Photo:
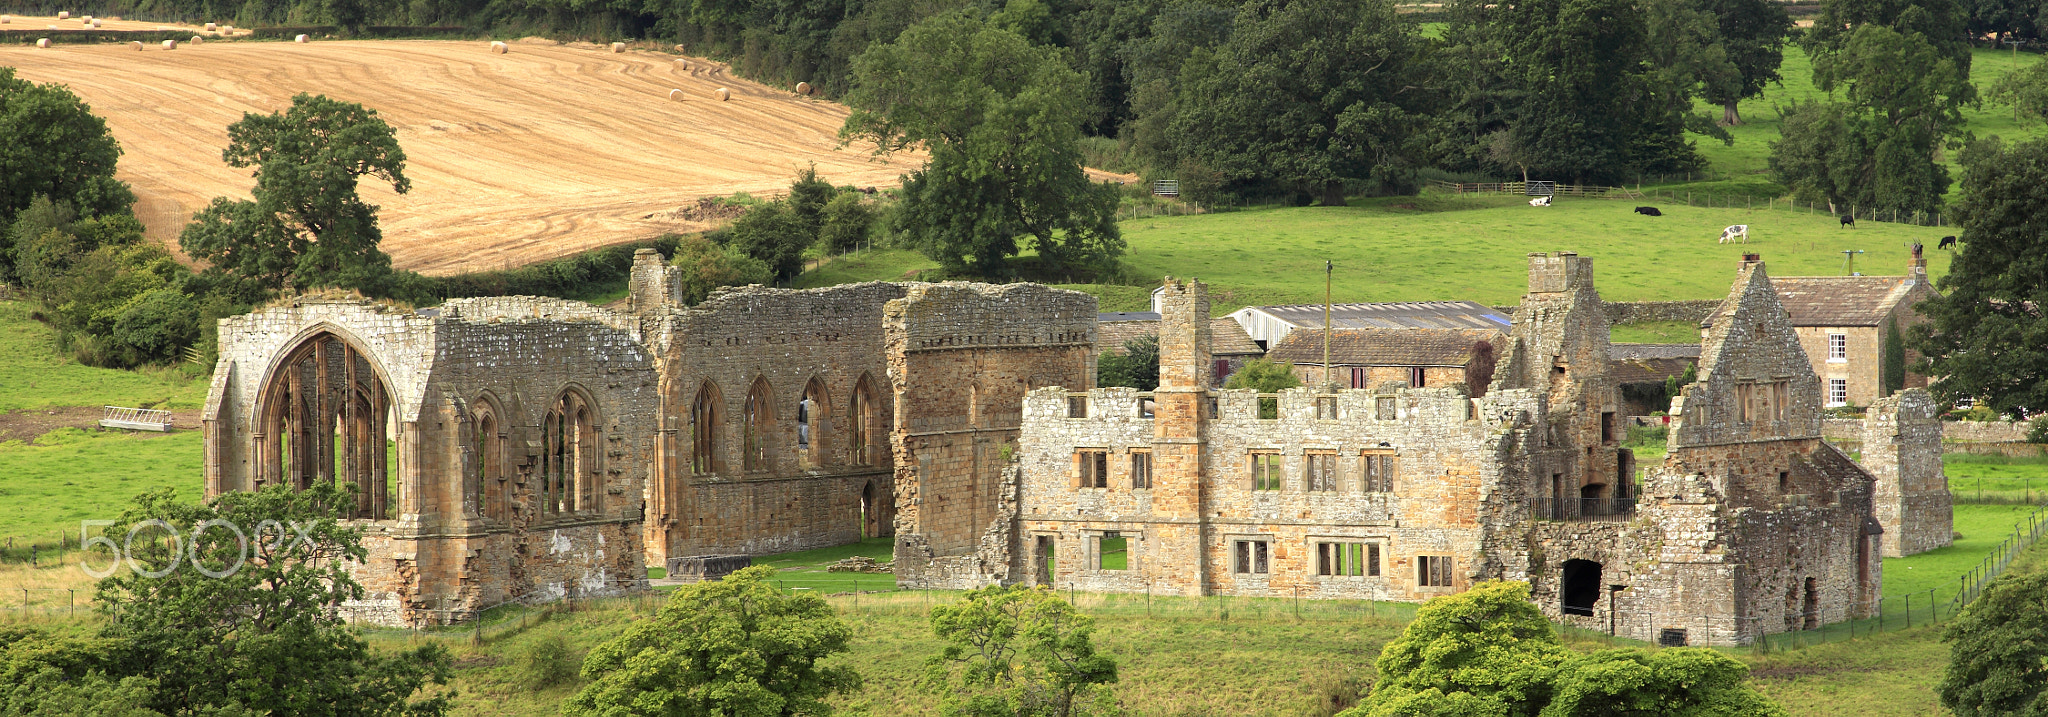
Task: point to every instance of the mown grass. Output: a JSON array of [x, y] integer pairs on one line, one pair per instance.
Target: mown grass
[[1982, 527], [68, 475], [1997, 478], [33, 374], [1655, 332]]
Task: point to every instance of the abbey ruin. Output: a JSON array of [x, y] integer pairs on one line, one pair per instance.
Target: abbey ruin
[[528, 448]]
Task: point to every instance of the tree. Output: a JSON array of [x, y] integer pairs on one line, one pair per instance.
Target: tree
[[1001, 119], [1753, 36], [848, 223], [1998, 663], [1892, 371], [1479, 371], [739, 646], [260, 633], [1137, 367], [1489, 651], [2025, 90], [808, 197], [1017, 651], [775, 235], [706, 266], [1264, 375], [2024, 20], [1318, 96], [306, 226], [52, 145], [1687, 60], [1986, 325]]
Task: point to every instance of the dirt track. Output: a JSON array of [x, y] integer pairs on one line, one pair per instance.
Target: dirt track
[[546, 151]]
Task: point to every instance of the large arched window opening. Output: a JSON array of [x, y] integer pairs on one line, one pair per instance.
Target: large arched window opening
[[760, 427], [813, 425], [487, 487], [707, 416], [862, 416], [569, 474], [323, 418]]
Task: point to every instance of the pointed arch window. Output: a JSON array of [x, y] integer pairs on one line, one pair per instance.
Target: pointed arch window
[[861, 418], [569, 475], [759, 428], [487, 487], [707, 414], [813, 425], [322, 419]]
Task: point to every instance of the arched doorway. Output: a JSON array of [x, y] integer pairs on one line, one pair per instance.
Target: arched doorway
[[869, 517], [325, 416], [1580, 589]]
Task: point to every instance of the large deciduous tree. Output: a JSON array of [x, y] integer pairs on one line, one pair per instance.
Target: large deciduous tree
[[1001, 118], [1753, 36], [739, 646], [306, 225], [1018, 651], [1987, 325], [1317, 96], [1998, 663], [52, 145]]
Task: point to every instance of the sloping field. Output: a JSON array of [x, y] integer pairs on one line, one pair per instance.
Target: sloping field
[[546, 151]]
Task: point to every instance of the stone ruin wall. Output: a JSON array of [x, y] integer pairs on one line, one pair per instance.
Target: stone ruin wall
[[782, 340], [1902, 449], [961, 357]]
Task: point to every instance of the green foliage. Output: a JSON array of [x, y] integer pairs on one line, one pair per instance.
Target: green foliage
[[775, 235], [736, 646], [1317, 97], [545, 662], [1892, 368], [1752, 37], [45, 675], [1018, 651], [848, 223], [1634, 683], [2026, 91], [1675, 384], [1001, 118], [1264, 375], [263, 638], [306, 226], [2037, 430], [589, 276], [1983, 335], [1998, 664], [1137, 367], [707, 266], [52, 145]]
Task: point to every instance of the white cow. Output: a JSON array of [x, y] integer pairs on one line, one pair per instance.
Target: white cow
[[1540, 202], [1738, 232]]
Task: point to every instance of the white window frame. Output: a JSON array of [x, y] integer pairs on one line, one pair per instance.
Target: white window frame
[[1838, 348], [1838, 392]]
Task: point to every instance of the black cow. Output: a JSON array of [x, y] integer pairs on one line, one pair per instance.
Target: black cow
[[1848, 220], [1649, 211], [1947, 242]]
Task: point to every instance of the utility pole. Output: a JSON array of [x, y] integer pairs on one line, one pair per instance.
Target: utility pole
[[1328, 270], [1849, 261]]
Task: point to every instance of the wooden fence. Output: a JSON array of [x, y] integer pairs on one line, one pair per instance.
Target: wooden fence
[[1540, 189]]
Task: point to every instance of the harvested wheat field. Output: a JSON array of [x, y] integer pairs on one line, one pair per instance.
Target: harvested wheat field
[[546, 150]]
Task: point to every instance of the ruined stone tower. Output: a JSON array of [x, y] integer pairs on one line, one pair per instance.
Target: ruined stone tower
[[1559, 349], [1902, 449], [1179, 429]]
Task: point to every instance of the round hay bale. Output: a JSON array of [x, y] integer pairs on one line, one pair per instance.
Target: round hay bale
[[63, 14], [683, 65], [196, 39], [210, 27], [803, 88], [618, 47], [301, 38], [679, 48], [675, 95], [43, 42], [6, 20], [136, 44], [722, 94], [170, 44], [95, 22], [87, 20], [500, 48]]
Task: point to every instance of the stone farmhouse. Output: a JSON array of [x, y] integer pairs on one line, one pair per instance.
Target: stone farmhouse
[[1842, 322], [540, 448], [1365, 358], [1232, 346]]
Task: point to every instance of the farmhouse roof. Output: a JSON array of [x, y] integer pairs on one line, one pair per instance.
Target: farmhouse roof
[[1383, 347], [1226, 338], [1647, 370], [1845, 300], [1270, 324]]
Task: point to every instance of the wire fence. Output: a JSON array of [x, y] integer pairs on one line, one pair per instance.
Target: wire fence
[[1716, 200]]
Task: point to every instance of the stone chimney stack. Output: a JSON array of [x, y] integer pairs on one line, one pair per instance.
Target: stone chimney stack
[[1916, 267], [1558, 273], [653, 284], [1184, 335], [1749, 260], [1180, 415]]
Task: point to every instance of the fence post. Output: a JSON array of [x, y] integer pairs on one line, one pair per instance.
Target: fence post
[[1909, 611]]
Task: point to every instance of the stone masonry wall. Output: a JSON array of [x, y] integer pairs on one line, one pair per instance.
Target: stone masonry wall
[[1902, 450]]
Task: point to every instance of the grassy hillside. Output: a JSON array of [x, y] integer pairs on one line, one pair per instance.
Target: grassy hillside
[[33, 374], [69, 475]]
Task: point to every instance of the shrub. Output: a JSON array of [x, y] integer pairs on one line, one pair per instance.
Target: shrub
[[545, 662], [2037, 430]]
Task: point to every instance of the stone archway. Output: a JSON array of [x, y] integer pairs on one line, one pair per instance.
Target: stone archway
[[325, 416], [1580, 589]]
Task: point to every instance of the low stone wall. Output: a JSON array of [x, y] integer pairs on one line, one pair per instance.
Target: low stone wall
[[1636, 312], [1850, 429]]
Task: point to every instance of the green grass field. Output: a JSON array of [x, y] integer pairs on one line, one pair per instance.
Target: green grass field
[[68, 475], [34, 375], [1982, 527], [1996, 479]]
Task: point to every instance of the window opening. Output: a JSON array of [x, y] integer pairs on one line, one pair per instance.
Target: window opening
[[1433, 571], [1321, 471], [1581, 588], [1384, 409], [1112, 552], [1141, 469], [1251, 557], [1377, 471], [1265, 471], [1093, 467]]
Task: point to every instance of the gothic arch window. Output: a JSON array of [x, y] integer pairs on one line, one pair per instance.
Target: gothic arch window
[[759, 429], [862, 418], [707, 415], [487, 489], [813, 425], [570, 468], [321, 418]]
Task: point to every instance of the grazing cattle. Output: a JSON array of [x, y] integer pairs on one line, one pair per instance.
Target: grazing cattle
[[867, 190], [1947, 242], [1849, 220], [1540, 202], [1738, 232], [1649, 211]]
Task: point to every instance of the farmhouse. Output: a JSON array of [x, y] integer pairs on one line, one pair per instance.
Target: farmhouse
[[1843, 321], [1267, 325], [1364, 358], [1232, 348]]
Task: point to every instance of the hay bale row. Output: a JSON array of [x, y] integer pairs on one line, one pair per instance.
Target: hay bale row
[[300, 38], [210, 27], [618, 47], [500, 48], [722, 94]]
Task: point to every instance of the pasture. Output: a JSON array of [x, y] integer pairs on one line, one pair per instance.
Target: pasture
[[546, 151]]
